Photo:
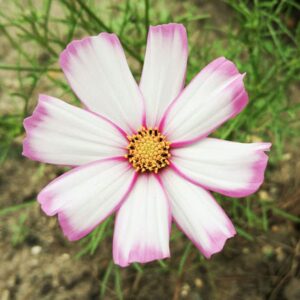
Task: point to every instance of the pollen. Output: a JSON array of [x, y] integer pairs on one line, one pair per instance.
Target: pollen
[[148, 150]]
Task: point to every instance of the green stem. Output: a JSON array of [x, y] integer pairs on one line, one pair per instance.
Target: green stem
[[106, 28], [147, 9], [28, 69]]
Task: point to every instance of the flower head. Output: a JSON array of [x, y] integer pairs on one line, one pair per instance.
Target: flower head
[[143, 151]]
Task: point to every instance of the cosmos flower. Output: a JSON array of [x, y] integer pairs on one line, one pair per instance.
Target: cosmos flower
[[142, 151]]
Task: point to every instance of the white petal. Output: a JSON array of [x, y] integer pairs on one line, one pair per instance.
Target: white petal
[[142, 225], [197, 214], [216, 94], [97, 70], [60, 133], [232, 169], [164, 69], [86, 195]]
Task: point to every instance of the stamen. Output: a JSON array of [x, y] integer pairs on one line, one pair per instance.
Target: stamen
[[148, 150]]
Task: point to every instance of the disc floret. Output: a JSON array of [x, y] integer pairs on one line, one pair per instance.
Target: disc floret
[[148, 150]]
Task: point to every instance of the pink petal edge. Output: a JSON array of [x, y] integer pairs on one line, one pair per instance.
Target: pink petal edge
[[152, 254], [71, 48], [255, 183], [240, 99], [220, 239], [45, 198], [30, 123], [167, 31]]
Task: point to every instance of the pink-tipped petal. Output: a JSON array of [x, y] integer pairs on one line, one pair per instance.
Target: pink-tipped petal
[[60, 133], [197, 214], [142, 224], [215, 95], [98, 73], [230, 168], [86, 195], [164, 69]]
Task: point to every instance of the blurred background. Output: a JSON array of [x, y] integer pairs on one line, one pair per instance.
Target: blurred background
[[262, 261]]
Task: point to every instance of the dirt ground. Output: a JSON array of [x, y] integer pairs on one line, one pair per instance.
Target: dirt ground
[[37, 262]]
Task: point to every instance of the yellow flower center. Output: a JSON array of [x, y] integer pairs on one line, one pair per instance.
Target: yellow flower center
[[148, 150]]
